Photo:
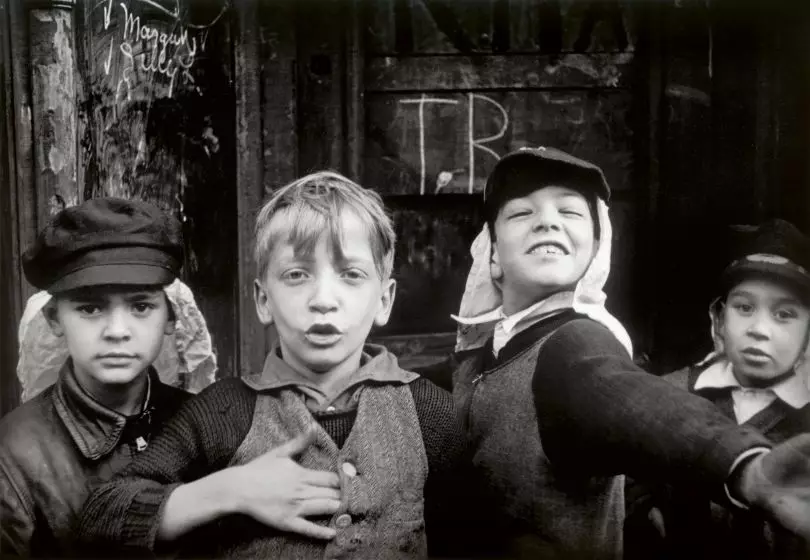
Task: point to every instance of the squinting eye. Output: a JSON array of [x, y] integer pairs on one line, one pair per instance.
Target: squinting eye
[[519, 214], [569, 212]]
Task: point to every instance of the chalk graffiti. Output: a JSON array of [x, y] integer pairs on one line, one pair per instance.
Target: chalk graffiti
[[473, 143], [151, 53], [422, 160]]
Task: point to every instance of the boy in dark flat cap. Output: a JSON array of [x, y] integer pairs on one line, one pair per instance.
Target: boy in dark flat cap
[[105, 262], [553, 406], [757, 375]]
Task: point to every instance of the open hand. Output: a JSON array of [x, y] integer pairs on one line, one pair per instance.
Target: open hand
[[779, 483], [280, 493]]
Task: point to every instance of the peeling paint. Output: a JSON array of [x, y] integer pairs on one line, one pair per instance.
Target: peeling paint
[[54, 106]]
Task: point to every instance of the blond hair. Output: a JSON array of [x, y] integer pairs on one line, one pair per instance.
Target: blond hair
[[314, 204]]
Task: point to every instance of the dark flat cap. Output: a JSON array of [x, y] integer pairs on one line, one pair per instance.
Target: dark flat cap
[[527, 169], [775, 249], [106, 241]]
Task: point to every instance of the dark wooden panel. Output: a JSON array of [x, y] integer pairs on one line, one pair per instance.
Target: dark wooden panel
[[424, 144], [10, 273], [157, 122], [513, 72], [252, 336], [432, 260], [473, 26], [321, 96]]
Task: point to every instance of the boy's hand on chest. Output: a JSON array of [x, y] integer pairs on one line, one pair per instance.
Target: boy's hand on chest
[[275, 490]]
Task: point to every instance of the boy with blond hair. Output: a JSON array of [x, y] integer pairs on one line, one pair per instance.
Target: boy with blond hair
[[375, 444]]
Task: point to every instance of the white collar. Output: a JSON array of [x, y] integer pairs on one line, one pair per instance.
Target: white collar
[[719, 375]]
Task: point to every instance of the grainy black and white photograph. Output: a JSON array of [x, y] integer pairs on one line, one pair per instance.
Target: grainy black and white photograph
[[405, 279]]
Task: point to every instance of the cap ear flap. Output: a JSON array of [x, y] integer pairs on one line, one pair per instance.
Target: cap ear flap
[[717, 327], [51, 314]]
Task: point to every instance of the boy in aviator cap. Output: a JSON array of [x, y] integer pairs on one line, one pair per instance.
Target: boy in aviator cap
[[758, 376], [105, 264], [554, 408]]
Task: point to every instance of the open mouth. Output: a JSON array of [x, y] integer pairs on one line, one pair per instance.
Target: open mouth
[[548, 248], [323, 334]]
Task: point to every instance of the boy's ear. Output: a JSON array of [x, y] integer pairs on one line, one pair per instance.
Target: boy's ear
[[169, 328], [52, 317], [263, 309], [389, 293]]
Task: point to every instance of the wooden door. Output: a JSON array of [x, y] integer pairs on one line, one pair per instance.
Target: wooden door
[[450, 87]]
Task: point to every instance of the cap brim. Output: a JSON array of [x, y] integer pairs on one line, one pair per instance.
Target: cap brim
[[576, 180], [778, 272], [114, 274]]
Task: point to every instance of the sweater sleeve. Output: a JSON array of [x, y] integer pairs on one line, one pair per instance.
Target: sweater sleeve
[[124, 514], [599, 414], [447, 486]]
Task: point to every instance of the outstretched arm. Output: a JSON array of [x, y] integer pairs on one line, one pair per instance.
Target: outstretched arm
[[598, 413]]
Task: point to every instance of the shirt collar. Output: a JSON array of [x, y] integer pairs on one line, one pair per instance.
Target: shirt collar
[[95, 429], [377, 364], [719, 375]]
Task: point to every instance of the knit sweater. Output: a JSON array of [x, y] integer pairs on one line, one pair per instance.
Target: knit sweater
[[205, 435], [597, 414]]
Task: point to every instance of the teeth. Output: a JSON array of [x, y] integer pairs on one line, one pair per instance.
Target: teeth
[[548, 250]]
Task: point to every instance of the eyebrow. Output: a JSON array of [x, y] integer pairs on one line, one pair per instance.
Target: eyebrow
[[791, 300]]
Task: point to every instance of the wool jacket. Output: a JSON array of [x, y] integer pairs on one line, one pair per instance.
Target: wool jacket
[[595, 415], [696, 526], [401, 439], [54, 447]]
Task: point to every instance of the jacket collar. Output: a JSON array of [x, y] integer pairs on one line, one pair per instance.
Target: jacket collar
[[377, 364], [719, 375], [95, 429]]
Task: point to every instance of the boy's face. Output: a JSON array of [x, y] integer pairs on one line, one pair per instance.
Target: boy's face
[[112, 333], [543, 244], [324, 306], [764, 330]]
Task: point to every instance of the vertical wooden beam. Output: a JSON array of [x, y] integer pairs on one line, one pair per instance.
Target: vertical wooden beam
[[53, 93], [249, 170], [10, 225], [24, 203], [355, 95], [321, 92]]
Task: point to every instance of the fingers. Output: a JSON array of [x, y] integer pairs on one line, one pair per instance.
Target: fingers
[[324, 506], [310, 529], [318, 492], [321, 478], [295, 446]]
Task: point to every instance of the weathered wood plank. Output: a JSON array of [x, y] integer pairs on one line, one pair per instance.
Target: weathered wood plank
[[512, 72], [249, 181], [486, 26]]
